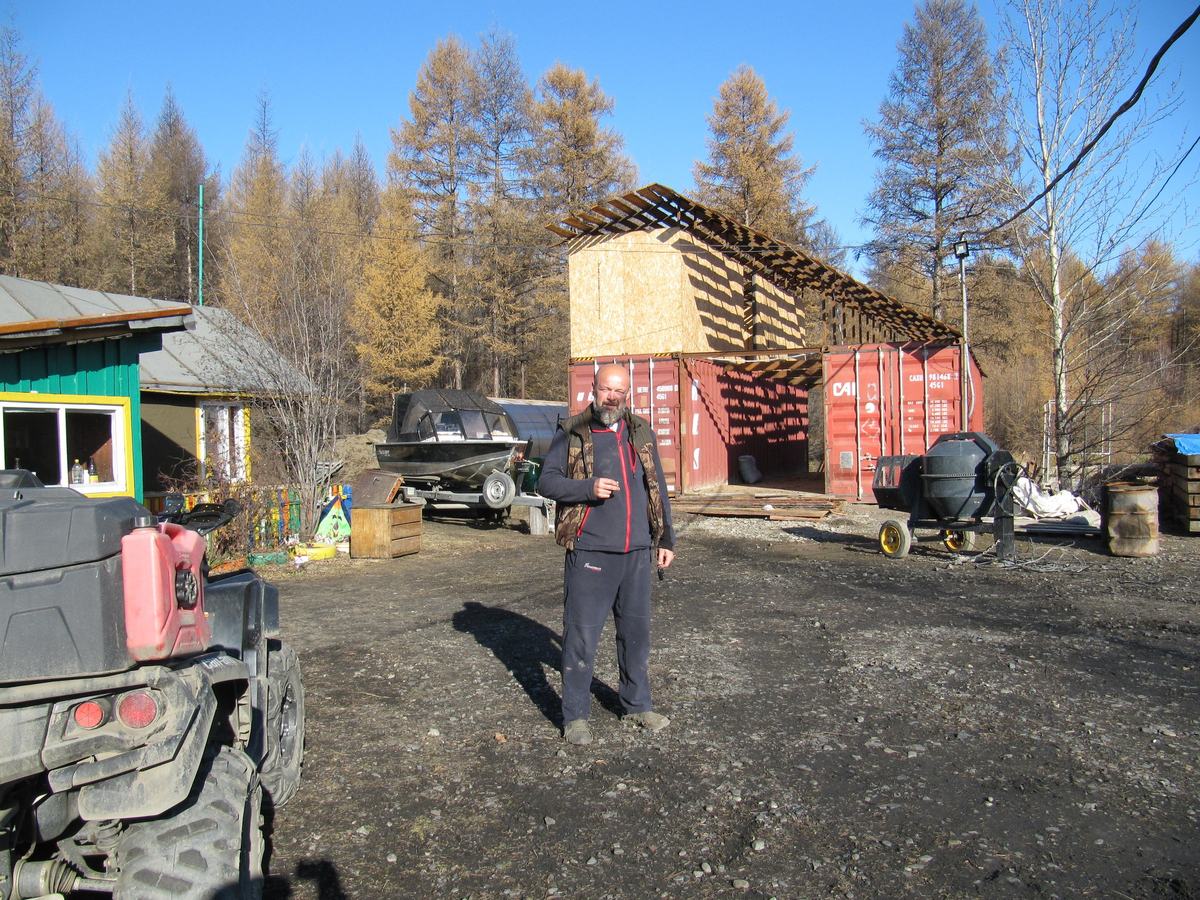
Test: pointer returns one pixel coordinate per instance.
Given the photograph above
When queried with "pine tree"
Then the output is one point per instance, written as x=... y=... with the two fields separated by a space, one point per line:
x=578 y=162
x=18 y=96
x=256 y=244
x=177 y=169
x=45 y=189
x=504 y=225
x=134 y=236
x=753 y=173
x=431 y=156
x=396 y=316
x=58 y=212
x=941 y=141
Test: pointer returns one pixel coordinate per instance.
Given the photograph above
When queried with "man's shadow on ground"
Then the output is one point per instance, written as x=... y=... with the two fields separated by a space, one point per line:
x=526 y=648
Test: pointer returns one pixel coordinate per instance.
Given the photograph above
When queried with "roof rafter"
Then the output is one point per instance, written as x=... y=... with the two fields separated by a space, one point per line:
x=788 y=268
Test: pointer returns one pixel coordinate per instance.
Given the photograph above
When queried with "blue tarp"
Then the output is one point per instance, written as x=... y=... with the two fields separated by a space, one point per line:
x=1187 y=444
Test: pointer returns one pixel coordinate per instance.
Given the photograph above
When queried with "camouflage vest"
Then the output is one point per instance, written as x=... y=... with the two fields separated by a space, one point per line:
x=569 y=516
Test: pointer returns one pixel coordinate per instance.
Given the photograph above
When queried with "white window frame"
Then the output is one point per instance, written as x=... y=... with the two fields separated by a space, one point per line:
x=230 y=417
x=116 y=407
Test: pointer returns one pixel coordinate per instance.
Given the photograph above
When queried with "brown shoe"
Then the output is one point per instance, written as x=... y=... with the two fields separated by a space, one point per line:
x=577 y=731
x=649 y=720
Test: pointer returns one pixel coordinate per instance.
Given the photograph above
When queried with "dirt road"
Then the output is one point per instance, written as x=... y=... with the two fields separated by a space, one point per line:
x=843 y=725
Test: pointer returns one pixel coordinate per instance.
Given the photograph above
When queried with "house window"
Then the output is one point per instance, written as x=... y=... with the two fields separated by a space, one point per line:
x=53 y=437
x=223 y=440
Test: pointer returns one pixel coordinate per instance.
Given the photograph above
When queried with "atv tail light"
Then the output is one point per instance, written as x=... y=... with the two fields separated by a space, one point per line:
x=137 y=710
x=90 y=714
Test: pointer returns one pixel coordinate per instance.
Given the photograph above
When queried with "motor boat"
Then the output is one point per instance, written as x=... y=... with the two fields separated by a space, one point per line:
x=451 y=438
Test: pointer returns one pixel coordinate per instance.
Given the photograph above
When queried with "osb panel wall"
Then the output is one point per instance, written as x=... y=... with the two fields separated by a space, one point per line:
x=659 y=292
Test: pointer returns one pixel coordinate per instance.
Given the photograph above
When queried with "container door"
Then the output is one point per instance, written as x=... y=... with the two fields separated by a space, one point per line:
x=655 y=398
x=654 y=395
x=854 y=419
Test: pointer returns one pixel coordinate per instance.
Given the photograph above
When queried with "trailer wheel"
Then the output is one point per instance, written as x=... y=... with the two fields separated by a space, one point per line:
x=209 y=847
x=283 y=753
x=894 y=539
x=499 y=490
x=959 y=541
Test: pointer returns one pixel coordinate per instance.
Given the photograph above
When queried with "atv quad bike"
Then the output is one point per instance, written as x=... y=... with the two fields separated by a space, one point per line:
x=144 y=706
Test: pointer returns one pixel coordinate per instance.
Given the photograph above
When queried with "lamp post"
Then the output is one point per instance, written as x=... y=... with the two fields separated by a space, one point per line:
x=962 y=250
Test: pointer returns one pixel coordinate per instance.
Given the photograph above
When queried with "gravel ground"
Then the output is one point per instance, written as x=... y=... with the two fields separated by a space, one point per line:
x=843 y=725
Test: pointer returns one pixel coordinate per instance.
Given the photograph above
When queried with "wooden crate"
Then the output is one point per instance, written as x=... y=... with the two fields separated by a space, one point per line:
x=385 y=531
x=1181 y=490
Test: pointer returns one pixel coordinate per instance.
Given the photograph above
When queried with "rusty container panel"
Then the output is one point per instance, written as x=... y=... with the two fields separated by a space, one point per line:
x=729 y=413
x=888 y=399
x=708 y=418
x=654 y=395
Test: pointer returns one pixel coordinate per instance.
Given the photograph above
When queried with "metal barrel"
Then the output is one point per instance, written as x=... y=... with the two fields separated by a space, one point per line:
x=1132 y=520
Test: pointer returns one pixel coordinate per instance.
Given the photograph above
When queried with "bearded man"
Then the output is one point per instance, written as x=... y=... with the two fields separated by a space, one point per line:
x=614 y=519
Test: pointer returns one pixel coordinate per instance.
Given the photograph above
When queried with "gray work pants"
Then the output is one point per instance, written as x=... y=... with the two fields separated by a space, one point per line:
x=596 y=583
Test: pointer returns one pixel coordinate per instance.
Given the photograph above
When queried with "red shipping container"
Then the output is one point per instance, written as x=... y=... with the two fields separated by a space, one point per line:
x=654 y=395
x=888 y=400
x=710 y=417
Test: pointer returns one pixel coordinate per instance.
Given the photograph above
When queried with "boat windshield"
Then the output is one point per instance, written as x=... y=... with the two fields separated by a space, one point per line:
x=441 y=426
x=499 y=426
x=465 y=425
x=474 y=426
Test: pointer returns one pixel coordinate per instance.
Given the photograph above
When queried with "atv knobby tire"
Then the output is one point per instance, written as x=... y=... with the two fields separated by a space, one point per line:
x=209 y=847
x=283 y=750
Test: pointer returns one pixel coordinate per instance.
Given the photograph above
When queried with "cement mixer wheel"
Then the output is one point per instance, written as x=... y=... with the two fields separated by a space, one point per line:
x=959 y=541
x=895 y=540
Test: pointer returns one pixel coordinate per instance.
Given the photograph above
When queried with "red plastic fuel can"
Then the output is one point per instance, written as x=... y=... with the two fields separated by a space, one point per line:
x=164 y=592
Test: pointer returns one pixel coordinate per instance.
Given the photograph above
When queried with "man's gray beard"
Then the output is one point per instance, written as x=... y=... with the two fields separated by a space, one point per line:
x=605 y=415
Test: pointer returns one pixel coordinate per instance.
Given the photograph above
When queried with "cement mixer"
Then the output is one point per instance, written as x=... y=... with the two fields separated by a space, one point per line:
x=961 y=487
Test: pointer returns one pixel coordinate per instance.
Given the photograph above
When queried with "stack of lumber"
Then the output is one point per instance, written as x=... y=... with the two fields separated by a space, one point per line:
x=1179 y=483
x=782 y=506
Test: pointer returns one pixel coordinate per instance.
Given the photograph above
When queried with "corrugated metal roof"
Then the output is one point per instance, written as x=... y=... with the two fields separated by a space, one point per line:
x=37 y=312
x=790 y=269
x=221 y=355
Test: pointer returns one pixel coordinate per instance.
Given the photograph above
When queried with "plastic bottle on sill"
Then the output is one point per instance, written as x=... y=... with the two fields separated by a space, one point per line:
x=77 y=473
x=91 y=471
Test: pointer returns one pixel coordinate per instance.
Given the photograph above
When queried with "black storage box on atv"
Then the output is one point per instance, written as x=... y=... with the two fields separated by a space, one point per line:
x=62 y=606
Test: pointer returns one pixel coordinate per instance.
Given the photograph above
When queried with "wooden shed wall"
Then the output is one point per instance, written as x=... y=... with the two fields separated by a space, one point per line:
x=657 y=291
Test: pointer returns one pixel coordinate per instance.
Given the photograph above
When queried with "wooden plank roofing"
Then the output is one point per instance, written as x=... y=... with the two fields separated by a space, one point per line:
x=788 y=268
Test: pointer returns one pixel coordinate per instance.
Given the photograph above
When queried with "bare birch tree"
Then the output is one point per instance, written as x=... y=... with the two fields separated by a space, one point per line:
x=1070 y=66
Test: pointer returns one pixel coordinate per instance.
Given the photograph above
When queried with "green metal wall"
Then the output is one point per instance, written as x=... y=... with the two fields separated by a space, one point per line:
x=96 y=369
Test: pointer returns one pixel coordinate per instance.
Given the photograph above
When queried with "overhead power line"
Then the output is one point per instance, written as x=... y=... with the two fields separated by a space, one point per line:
x=1120 y=111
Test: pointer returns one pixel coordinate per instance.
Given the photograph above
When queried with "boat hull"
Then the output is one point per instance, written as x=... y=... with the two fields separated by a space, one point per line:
x=461 y=464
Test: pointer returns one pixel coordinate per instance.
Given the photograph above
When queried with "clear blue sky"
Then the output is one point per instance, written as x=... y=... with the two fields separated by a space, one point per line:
x=336 y=69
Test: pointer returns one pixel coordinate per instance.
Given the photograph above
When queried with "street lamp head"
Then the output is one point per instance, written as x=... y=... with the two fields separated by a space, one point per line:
x=961 y=248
